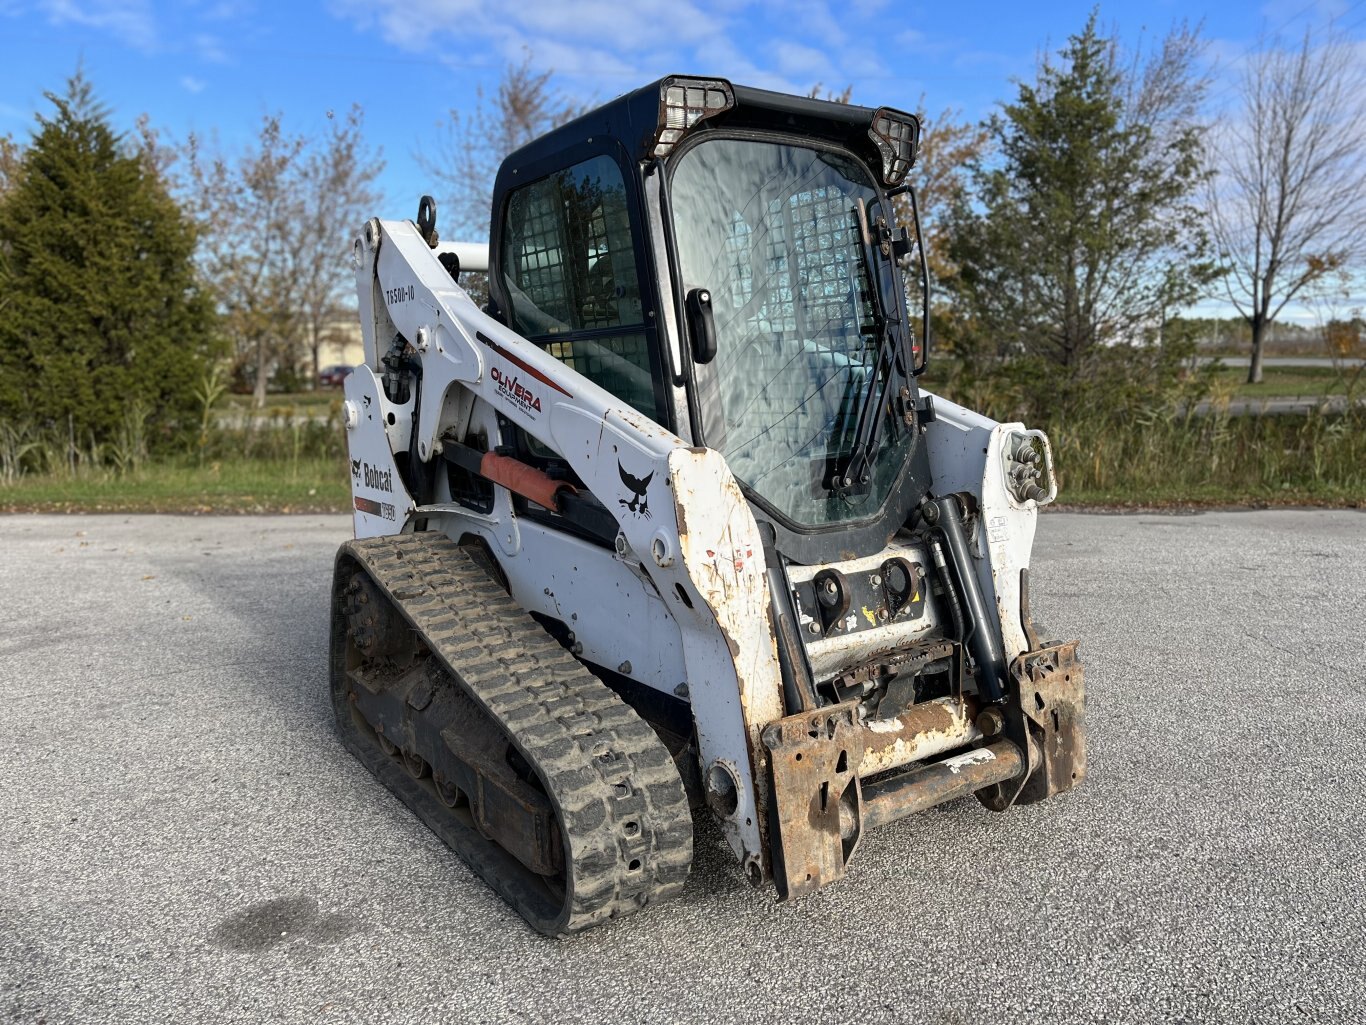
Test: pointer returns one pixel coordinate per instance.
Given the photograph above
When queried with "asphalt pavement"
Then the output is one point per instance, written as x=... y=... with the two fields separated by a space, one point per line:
x=183 y=838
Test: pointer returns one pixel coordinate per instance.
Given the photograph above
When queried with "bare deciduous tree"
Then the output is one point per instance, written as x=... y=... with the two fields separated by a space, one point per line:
x=336 y=186
x=277 y=223
x=157 y=154
x=470 y=146
x=820 y=92
x=1288 y=209
x=249 y=211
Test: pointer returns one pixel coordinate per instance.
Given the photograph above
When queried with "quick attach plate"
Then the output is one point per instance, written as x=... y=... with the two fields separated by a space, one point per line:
x=813 y=763
x=1050 y=689
x=1053 y=696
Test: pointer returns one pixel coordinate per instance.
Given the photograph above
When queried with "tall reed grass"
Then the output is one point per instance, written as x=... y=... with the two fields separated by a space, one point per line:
x=280 y=435
x=1205 y=456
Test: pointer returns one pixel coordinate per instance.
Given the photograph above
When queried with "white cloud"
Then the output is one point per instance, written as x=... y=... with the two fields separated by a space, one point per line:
x=1287 y=12
x=208 y=48
x=796 y=60
x=810 y=18
x=569 y=59
x=132 y=21
x=229 y=10
x=192 y=84
x=602 y=47
x=596 y=26
x=624 y=42
x=621 y=27
x=198 y=29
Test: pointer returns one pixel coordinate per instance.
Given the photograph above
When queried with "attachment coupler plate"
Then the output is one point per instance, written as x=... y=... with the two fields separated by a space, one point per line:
x=816 y=760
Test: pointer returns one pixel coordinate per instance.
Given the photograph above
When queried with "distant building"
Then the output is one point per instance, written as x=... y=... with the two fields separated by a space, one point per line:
x=341 y=343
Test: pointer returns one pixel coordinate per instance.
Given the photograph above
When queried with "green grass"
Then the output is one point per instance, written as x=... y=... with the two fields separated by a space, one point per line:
x=1286 y=382
x=1211 y=496
x=1151 y=457
x=324 y=397
x=319 y=485
x=1277 y=382
x=181 y=486
x=1212 y=460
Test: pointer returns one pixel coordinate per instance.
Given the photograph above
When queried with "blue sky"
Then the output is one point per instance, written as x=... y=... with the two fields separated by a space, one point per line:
x=216 y=66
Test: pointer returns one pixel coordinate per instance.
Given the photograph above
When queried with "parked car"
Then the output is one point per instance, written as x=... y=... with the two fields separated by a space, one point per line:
x=332 y=377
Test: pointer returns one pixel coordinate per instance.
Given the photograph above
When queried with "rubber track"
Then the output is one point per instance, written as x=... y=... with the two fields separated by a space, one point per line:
x=612 y=781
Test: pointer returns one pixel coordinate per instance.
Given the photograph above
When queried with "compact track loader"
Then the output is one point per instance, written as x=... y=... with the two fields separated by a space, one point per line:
x=669 y=526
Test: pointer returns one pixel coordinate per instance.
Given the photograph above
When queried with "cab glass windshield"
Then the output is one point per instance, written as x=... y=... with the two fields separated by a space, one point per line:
x=772 y=231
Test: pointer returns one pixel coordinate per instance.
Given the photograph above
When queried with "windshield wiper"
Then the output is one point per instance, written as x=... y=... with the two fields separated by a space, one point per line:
x=858 y=468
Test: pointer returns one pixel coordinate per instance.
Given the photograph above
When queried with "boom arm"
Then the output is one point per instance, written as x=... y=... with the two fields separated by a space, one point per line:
x=678 y=507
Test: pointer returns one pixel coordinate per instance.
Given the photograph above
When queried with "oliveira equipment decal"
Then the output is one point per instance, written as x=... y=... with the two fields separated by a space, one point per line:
x=510 y=385
x=511 y=388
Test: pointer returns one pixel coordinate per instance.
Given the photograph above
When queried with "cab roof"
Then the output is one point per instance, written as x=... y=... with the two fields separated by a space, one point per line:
x=633 y=117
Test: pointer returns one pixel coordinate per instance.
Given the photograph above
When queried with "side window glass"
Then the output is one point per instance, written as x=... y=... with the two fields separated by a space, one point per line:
x=568 y=264
x=570 y=274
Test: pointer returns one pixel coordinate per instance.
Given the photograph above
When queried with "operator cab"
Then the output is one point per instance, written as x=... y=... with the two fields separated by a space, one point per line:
x=725 y=261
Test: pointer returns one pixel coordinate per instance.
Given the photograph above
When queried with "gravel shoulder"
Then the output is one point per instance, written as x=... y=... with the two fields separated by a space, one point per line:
x=184 y=838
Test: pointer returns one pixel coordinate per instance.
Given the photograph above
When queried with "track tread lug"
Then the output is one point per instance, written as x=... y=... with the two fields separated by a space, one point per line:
x=558 y=715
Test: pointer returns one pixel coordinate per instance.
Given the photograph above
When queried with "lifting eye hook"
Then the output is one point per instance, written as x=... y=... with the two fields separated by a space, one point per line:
x=426 y=221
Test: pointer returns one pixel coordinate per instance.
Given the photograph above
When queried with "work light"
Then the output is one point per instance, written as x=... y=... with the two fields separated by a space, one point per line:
x=685 y=101
x=896 y=135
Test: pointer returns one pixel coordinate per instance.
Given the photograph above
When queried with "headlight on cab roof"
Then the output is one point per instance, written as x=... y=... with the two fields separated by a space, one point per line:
x=896 y=135
x=685 y=101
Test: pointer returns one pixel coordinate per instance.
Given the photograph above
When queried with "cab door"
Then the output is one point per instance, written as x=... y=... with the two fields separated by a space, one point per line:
x=571 y=276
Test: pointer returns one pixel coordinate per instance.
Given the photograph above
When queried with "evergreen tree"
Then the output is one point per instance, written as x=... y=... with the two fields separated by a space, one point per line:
x=105 y=322
x=1085 y=232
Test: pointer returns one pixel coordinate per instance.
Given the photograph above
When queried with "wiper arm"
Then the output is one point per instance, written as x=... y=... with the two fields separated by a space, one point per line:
x=858 y=468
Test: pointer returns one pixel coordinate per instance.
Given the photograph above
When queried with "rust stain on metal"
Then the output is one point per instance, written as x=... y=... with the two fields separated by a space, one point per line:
x=720 y=551
x=920 y=732
x=681 y=514
x=914 y=791
x=1052 y=691
x=814 y=760
x=1049 y=687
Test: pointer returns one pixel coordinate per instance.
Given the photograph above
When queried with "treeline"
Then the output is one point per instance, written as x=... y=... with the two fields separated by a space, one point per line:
x=1104 y=199
x=141 y=277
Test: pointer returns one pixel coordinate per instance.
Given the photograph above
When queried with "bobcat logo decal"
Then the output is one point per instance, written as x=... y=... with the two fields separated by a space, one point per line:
x=639 y=502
